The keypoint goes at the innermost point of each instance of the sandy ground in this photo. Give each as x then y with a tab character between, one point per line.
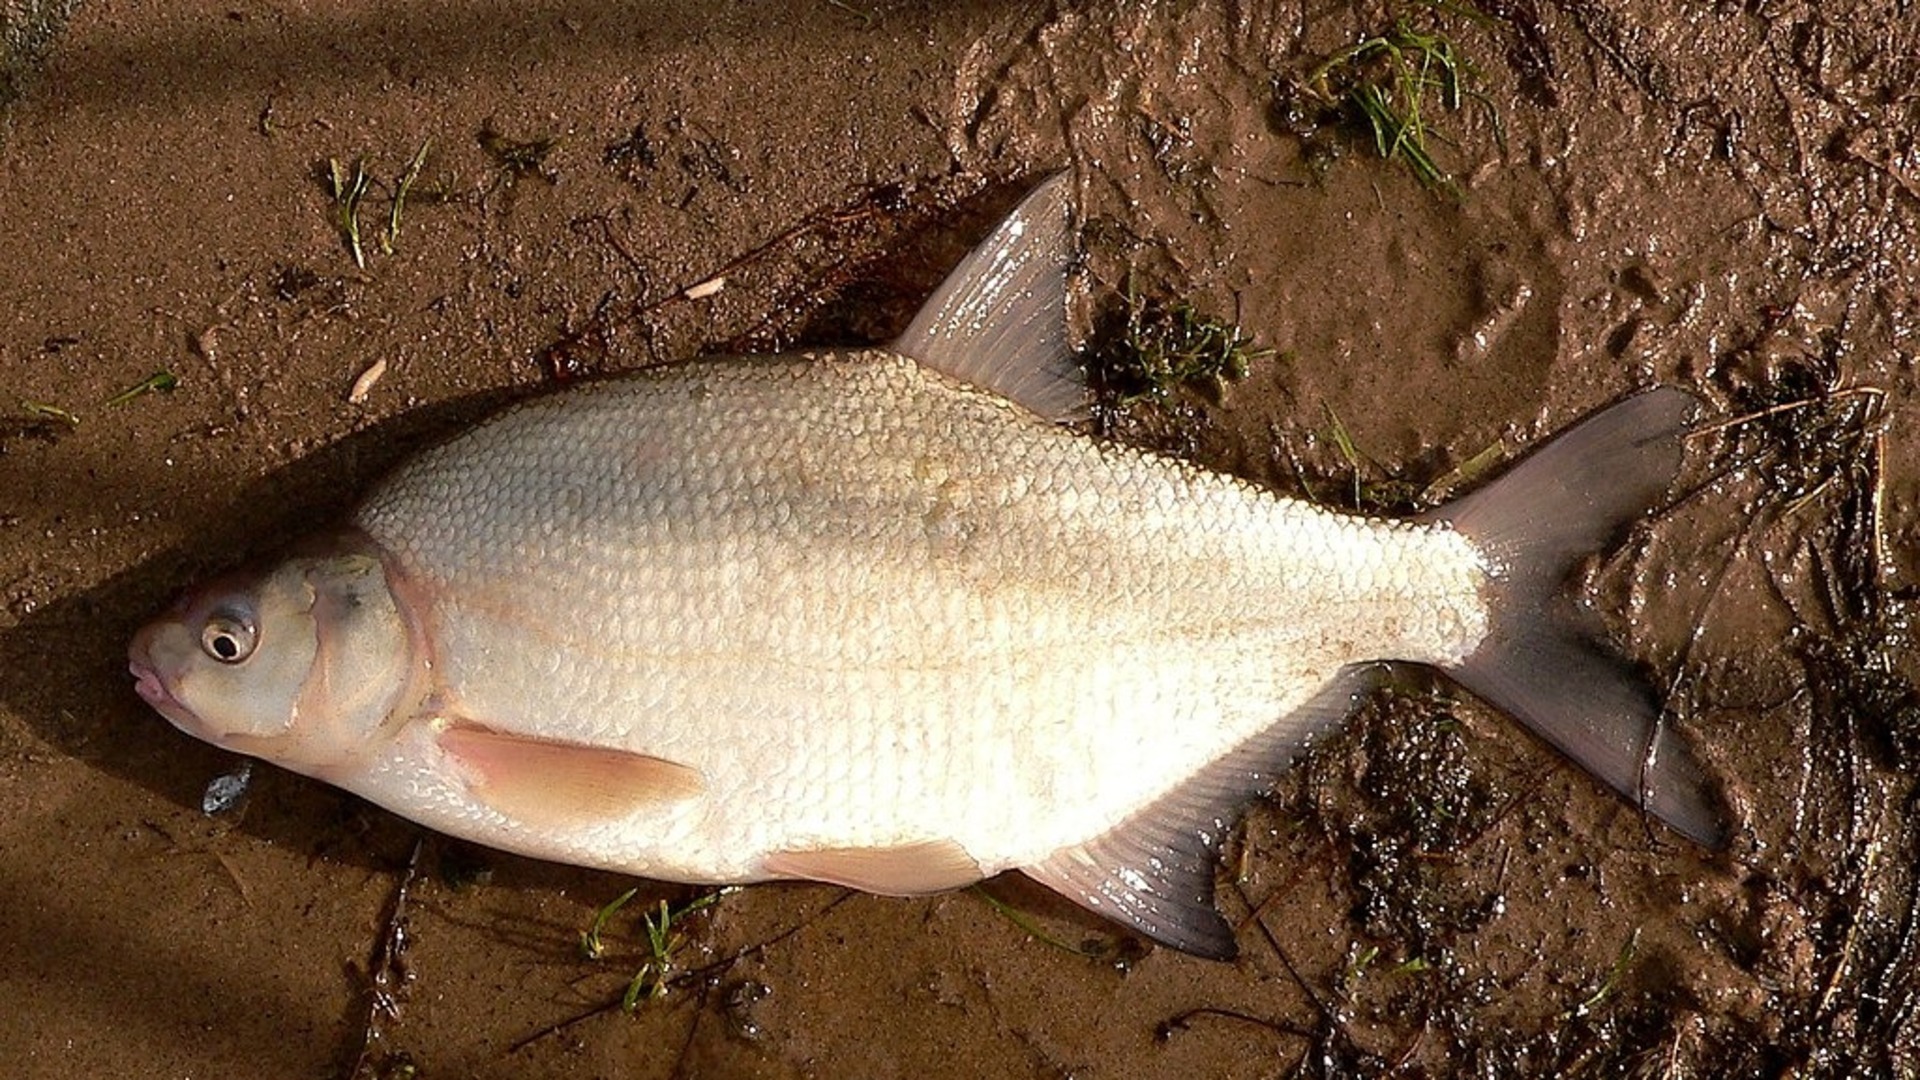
1724	199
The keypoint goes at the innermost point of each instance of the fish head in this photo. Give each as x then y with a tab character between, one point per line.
304	664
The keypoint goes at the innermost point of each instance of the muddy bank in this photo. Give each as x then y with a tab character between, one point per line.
1722	200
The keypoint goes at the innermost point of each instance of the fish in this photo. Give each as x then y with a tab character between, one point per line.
891	618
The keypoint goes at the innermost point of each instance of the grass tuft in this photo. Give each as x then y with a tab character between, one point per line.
591	946
650	983
1163	347
349	186
665	935
400	190
1385	88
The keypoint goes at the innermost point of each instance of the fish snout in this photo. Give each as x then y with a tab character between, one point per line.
140	665
151	685
146	683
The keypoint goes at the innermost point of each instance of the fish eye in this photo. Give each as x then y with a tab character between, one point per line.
228	638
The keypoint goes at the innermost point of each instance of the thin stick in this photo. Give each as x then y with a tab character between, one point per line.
387	974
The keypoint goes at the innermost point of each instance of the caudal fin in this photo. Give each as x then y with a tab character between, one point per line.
1543	659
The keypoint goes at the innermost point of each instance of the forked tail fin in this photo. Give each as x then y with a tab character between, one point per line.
1543	660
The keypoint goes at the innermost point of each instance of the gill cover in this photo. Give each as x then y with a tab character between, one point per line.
301	665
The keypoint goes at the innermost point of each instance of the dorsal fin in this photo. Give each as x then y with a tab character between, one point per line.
999	320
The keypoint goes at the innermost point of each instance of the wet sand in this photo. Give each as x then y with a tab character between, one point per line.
1715	199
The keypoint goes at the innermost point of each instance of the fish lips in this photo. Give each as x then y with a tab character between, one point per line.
153	689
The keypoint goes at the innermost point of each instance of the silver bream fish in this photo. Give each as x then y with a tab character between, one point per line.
876	617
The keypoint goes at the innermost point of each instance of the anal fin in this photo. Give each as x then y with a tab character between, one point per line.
916	869
1154	872
561	785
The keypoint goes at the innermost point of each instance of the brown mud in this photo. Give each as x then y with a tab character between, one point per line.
1723	197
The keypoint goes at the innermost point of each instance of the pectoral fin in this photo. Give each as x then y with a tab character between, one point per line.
561	785
929	866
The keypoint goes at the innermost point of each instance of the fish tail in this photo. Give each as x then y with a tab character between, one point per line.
1543	659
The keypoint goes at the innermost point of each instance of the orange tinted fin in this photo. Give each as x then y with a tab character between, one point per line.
560	785
929	866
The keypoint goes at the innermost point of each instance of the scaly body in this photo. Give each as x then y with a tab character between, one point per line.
877	606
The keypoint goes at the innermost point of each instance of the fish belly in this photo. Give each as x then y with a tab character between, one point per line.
875	607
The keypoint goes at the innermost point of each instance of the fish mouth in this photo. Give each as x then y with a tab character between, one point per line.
146	683
153	689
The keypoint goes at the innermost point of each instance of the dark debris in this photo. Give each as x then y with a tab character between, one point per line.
1851	877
